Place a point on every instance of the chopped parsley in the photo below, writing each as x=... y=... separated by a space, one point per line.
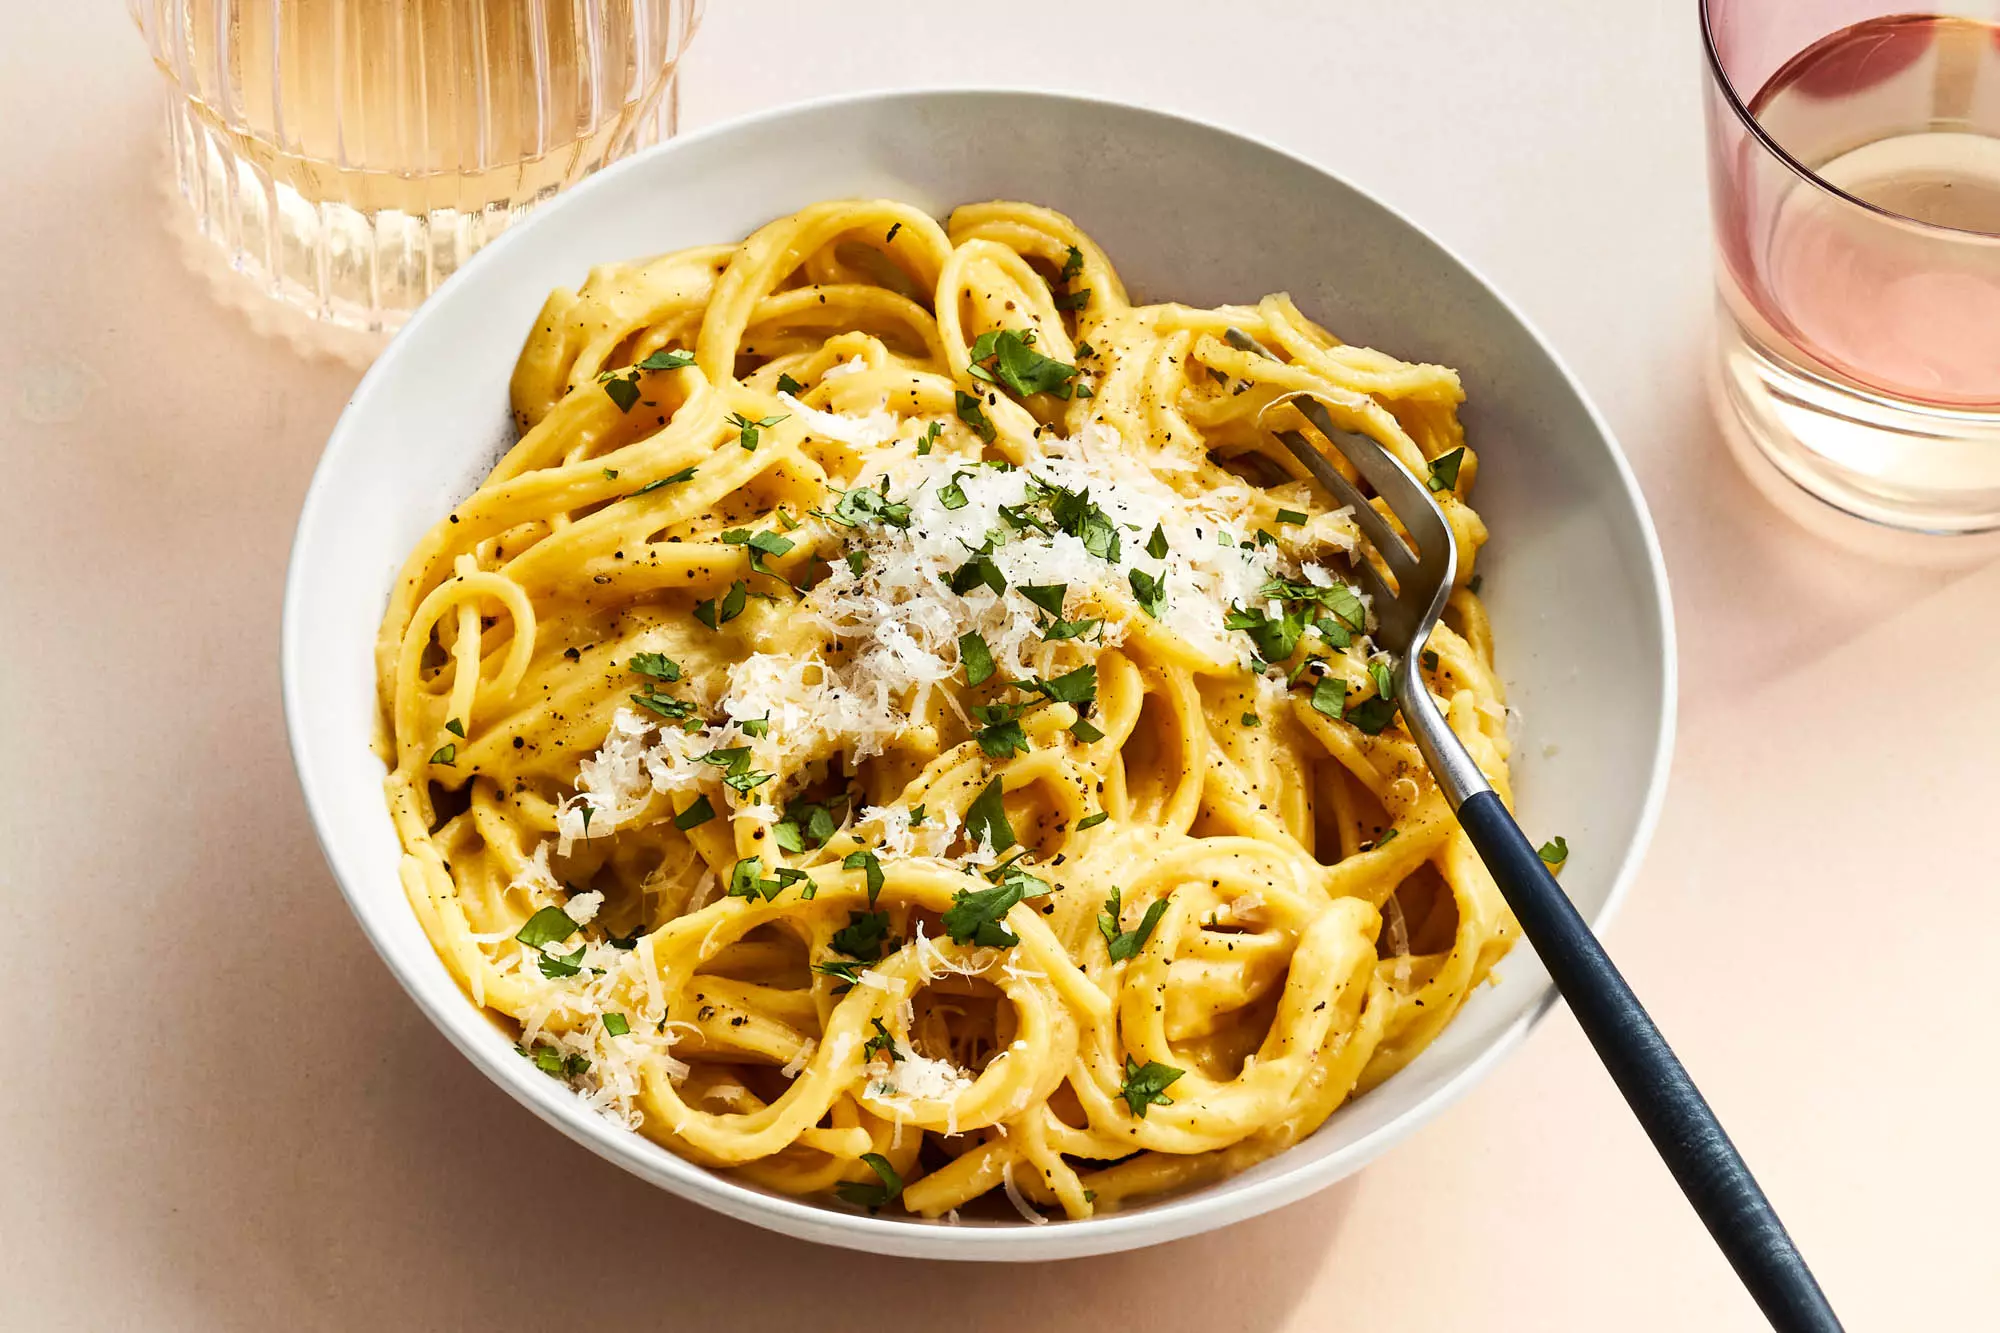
x=1371 y=716
x=1384 y=678
x=1329 y=697
x=714 y=614
x=1555 y=851
x=979 y=569
x=806 y=825
x=695 y=815
x=1058 y=630
x=623 y=391
x=760 y=545
x=664 y=704
x=747 y=430
x=986 y=818
x=1002 y=739
x=734 y=761
x=1334 y=611
x=876 y=1195
x=847 y=971
x=552 y=1060
x=1075 y=513
x=1146 y=1085
x=616 y=1025
x=1148 y=590
x=863 y=505
x=786 y=384
x=880 y=1044
x=656 y=665
x=551 y=925
x=976 y=916
x=1444 y=470
x=623 y=386
x=1072 y=298
x=929 y=438
x=446 y=754
x=746 y=880
x=1007 y=357
x=970 y=412
x=1071 y=687
x=871 y=866
x=685 y=474
x=865 y=936
x=1122 y=945
x=1048 y=596
x=1156 y=545
x=952 y=495
x=556 y=966
x=1276 y=639
x=1091 y=821
x=1291 y=516
x=976 y=657
x=456 y=728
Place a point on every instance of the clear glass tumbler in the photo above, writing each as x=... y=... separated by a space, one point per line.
x=1854 y=162
x=349 y=155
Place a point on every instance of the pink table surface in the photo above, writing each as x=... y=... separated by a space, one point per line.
x=219 y=1112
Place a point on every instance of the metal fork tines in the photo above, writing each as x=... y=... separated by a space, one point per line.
x=1404 y=614
x=1423 y=575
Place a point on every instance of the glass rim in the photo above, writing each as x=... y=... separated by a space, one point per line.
x=1720 y=78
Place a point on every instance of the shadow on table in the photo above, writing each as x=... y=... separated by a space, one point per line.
x=1765 y=578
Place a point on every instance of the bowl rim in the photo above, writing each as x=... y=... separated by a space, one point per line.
x=1192 y=1213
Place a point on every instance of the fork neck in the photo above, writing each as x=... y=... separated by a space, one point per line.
x=1458 y=777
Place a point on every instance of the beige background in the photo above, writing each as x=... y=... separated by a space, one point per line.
x=218 y=1111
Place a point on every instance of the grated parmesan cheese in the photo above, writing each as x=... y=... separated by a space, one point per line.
x=902 y=622
x=798 y=1062
x=612 y=784
x=877 y=428
x=914 y=1078
x=1019 y=1200
x=892 y=829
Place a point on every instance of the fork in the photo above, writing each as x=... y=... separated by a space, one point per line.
x=1676 y=1117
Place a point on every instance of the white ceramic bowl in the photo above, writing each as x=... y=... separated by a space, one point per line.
x=1186 y=211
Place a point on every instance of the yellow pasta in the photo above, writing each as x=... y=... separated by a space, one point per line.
x=895 y=728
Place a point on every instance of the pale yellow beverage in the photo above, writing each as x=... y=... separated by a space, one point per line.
x=351 y=154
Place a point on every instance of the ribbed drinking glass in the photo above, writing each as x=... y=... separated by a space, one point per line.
x=349 y=155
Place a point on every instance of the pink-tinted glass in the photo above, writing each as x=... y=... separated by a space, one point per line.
x=1854 y=156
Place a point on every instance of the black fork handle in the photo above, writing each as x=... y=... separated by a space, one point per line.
x=1677 y=1118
